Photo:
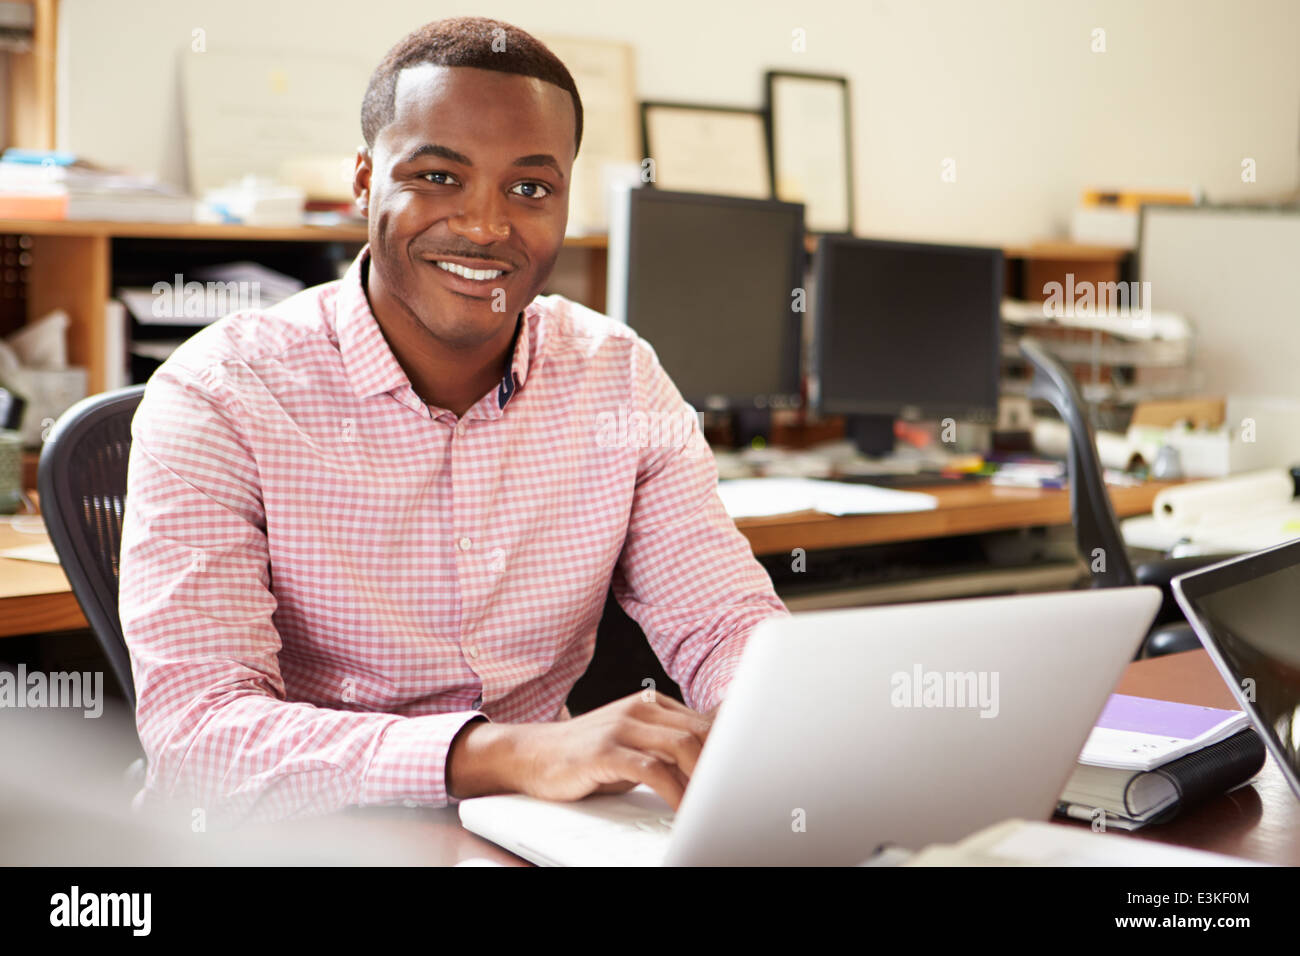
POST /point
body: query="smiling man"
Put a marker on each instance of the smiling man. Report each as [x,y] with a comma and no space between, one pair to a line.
[369,532]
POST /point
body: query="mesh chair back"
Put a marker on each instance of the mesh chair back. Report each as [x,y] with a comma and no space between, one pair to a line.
[82,481]
[1096,529]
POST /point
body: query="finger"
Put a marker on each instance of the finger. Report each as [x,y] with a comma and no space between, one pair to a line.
[677,745]
[672,703]
[644,768]
[665,710]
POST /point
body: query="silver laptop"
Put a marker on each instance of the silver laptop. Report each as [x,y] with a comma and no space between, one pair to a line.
[1246,612]
[846,733]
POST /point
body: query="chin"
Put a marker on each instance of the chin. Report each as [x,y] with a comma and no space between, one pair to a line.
[466,325]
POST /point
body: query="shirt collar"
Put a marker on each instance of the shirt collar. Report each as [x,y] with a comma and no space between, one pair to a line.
[371,366]
[373,369]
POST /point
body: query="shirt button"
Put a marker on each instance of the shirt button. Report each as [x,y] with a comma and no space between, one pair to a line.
[464,544]
[472,651]
[460,428]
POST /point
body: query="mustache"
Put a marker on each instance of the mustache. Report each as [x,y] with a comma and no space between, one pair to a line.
[466,254]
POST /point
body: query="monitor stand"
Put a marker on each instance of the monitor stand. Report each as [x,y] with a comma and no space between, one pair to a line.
[873,434]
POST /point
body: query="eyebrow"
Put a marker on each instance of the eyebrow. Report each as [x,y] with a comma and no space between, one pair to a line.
[446,152]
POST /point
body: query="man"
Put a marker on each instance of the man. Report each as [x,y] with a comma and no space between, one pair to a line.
[369,532]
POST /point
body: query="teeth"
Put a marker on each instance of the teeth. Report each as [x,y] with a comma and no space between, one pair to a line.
[477,274]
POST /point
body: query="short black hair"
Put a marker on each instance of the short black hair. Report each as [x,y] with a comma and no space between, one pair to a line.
[464,41]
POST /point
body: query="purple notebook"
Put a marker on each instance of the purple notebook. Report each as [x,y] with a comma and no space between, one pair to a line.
[1140,733]
[1161,717]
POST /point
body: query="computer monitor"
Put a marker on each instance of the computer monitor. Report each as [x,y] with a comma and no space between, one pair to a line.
[906,329]
[710,282]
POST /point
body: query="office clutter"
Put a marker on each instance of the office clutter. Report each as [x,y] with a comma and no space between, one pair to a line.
[1121,351]
[254,201]
[34,367]
[49,184]
[1246,512]
[169,311]
[1147,759]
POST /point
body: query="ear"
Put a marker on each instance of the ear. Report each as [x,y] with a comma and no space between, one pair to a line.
[361,181]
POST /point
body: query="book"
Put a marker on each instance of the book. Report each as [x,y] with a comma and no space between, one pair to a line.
[1138,733]
[57,186]
[1132,800]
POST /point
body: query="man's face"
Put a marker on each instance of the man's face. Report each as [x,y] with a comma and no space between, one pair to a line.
[472,173]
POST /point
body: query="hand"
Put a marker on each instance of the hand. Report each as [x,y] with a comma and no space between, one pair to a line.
[644,738]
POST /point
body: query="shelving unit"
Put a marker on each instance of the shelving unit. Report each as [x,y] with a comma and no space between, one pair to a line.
[73,266]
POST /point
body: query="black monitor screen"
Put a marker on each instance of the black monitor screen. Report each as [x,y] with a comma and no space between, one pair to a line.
[908,325]
[1254,620]
[711,285]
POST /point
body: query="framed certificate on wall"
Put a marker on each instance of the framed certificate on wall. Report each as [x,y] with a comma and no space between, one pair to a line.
[707,149]
[811,146]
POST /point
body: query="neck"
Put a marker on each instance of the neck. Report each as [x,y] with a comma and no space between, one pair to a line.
[444,377]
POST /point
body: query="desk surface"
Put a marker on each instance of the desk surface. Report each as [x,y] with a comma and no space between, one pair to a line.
[963,509]
[36,597]
[1260,821]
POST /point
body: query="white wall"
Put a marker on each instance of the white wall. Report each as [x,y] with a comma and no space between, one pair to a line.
[1008,88]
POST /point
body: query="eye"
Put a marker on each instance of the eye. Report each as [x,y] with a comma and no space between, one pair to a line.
[538,190]
[436,181]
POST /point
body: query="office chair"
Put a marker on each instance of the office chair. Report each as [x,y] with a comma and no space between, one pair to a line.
[1095,526]
[82,481]
[623,659]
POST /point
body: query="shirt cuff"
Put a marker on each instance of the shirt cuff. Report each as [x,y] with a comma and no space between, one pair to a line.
[410,763]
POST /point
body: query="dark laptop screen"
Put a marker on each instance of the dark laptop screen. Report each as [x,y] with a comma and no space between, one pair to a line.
[1254,620]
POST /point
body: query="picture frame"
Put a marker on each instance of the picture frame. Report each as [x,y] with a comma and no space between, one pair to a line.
[722,150]
[811,146]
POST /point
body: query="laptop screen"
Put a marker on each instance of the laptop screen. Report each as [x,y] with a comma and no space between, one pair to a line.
[1251,609]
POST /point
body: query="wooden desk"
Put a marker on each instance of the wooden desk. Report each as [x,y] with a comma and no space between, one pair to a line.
[1260,821]
[35,597]
[963,509]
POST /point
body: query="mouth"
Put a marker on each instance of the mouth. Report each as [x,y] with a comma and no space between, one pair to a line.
[474,278]
[475,275]
[473,270]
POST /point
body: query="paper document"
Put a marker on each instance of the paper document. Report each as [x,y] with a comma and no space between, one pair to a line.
[763,497]
[32,552]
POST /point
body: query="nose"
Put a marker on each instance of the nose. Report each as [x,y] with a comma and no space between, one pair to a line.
[482,219]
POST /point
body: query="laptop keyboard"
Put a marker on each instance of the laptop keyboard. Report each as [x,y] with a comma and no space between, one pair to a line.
[638,842]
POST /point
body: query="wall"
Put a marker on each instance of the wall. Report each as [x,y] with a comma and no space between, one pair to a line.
[1010,89]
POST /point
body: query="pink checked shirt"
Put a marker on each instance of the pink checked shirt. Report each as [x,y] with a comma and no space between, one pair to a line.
[323,579]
